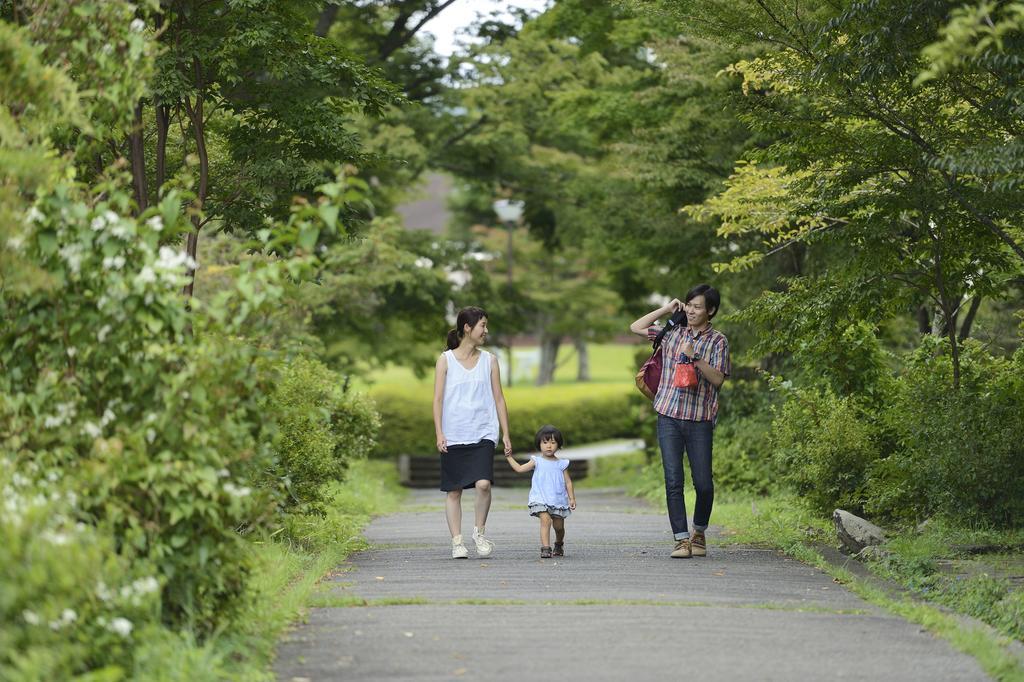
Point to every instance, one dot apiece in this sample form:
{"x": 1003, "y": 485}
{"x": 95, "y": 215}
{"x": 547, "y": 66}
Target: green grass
{"x": 610, "y": 363}
{"x": 288, "y": 569}
{"x": 614, "y": 471}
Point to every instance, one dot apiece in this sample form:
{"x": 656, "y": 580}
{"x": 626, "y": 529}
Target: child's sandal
{"x": 545, "y": 552}
{"x": 559, "y": 549}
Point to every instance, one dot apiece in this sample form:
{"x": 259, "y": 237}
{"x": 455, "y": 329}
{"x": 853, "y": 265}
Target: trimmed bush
{"x": 958, "y": 452}
{"x": 823, "y": 447}
{"x": 583, "y": 413}
{"x": 320, "y": 430}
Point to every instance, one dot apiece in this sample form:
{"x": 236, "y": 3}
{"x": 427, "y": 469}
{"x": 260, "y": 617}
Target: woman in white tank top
{"x": 469, "y": 409}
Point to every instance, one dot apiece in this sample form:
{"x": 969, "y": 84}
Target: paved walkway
{"x": 616, "y": 607}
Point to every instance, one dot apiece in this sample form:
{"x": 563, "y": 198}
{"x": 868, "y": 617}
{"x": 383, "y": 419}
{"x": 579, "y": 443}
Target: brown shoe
{"x": 682, "y": 550}
{"x": 545, "y": 552}
{"x": 698, "y": 544}
{"x": 559, "y": 549}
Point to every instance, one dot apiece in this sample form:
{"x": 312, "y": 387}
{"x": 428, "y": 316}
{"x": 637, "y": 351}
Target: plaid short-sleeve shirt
{"x": 698, "y": 403}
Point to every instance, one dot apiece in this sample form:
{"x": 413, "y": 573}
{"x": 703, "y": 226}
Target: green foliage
{"x": 823, "y": 447}
{"x": 69, "y": 604}
{"x": 321, "y": 429}
{"x": 958, "y": 452}
{"x": 585, "y": 414}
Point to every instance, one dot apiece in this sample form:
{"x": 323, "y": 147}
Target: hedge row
{"x": 584, "y": 414}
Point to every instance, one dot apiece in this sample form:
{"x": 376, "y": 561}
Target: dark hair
{"x": 469, "y": 315}
{"x": 545, "y": 432}
{"x": 712, "y": 299}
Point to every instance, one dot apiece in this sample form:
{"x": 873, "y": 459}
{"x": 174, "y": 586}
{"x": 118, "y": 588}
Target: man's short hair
{"x": 712, "y": 299}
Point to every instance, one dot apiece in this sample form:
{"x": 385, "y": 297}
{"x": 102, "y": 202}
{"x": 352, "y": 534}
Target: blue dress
{"x": 548, "y": 492}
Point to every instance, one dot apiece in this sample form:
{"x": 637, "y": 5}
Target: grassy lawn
{"x": 610, "y": 363}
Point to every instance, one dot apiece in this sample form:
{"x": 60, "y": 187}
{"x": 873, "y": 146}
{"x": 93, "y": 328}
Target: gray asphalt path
{"x": 616, "y": 607}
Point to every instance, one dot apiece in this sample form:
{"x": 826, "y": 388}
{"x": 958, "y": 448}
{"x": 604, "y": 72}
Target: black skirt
{"x": 463, "y": 465}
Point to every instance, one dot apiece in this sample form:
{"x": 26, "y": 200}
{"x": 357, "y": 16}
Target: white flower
{"x": 34, "y": 215}
{"x": 108, "y": 416}
{"x": 120, "y": 230}
{"x": 67, "y": 617}
{"x": 103, "y": 592}
{"x": 233, "y": 490}
{"x": 15, "y": 243}
{"x": 146, "y": 585}
{"x": 72, "y": 351}
{"x": 107, "y": 48}
{"x": 31, "y": 617}
{"x": 150, "y": 435}
{"x": 55, "y": 538}
{"x": 137, "y": 25}
{"x": 101, "y": 335}
{"x": 98, "y": 223}
{"x": 223, "y": 473}
{"x": 156, "y": 223}
{"x": 92, "y": 430}
{"x": 72, "y": 255}
{"x": 423, "y": 262}
{"x": 121, "y": 626}
{"x": 52, "y": 476}
{"x": 145, "y": 276}
{"x": 113, "y": 262}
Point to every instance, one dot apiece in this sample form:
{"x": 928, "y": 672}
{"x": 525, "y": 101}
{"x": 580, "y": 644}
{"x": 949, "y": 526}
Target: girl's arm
{"x": 440, "y": 372}
{"x": 499, "y": 402}
{"x": 519, "y": 468}
{"x": 640, "y": 326}
{"x": 568, "y": 487}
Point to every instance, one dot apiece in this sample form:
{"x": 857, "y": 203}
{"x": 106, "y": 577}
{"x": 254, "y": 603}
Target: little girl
{"x": 551, "y": 495}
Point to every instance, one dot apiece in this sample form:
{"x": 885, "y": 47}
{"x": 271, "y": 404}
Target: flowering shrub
{"x": 68, "y": 603}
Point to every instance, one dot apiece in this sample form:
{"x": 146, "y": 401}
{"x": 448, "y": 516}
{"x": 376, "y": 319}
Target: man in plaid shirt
{"x": 687, "y": 415}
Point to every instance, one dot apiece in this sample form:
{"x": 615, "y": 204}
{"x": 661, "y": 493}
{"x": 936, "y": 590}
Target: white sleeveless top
{"x": 468, "y": 413}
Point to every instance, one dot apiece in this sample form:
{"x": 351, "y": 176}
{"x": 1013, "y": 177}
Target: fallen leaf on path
{"x": 459, "y": 671}
{"x": 407, "y": 634}
{"x": 380, "y": 577}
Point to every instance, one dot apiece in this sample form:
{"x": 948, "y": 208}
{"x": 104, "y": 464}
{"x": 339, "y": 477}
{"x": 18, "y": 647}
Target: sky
{"x": 462, "y": 13}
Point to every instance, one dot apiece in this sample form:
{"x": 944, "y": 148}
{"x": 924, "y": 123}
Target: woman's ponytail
{"x": 470, "y": 316}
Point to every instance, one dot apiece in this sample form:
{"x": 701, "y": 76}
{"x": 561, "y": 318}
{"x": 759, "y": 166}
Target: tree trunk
{"x": 583, "y": 358}
{"x": 965, "y": 328}
{"x": 323, "y": 23}
{"x": 163, "y": 125}
{"x": 195, "y": 114}
{"x": 924, "y": 322}
{"x": 948, "y": 306}
{"x": 138, "y": 153}
{"x": 548, "y": 355}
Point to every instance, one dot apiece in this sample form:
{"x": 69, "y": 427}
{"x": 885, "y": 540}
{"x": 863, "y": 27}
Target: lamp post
{"x": 509, "y": 212}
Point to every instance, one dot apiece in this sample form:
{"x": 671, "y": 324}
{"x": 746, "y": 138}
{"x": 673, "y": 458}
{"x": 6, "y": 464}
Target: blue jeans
{"x": 676, "y": 436}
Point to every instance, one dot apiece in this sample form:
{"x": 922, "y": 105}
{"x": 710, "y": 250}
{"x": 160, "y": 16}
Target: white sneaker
{"x": 484, "y": 547}
{"x": 459, "y": 550}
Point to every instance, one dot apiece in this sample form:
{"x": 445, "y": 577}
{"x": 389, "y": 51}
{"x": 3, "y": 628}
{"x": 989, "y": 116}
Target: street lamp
{"x": 509, "y": 212}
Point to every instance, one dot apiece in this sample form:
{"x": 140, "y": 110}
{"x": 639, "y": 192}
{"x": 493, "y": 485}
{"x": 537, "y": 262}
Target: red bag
{"x": 685, "y": 375}
{"x": 649, "y": 376}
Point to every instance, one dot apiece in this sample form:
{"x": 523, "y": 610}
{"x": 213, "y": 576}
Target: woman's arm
{"x": 568, "y": 487}
{"x": 499, "y": 402}
{"x": 519, "y": 468}
{"x": 440, "y": 372}
{"x": 640, "y": 326}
